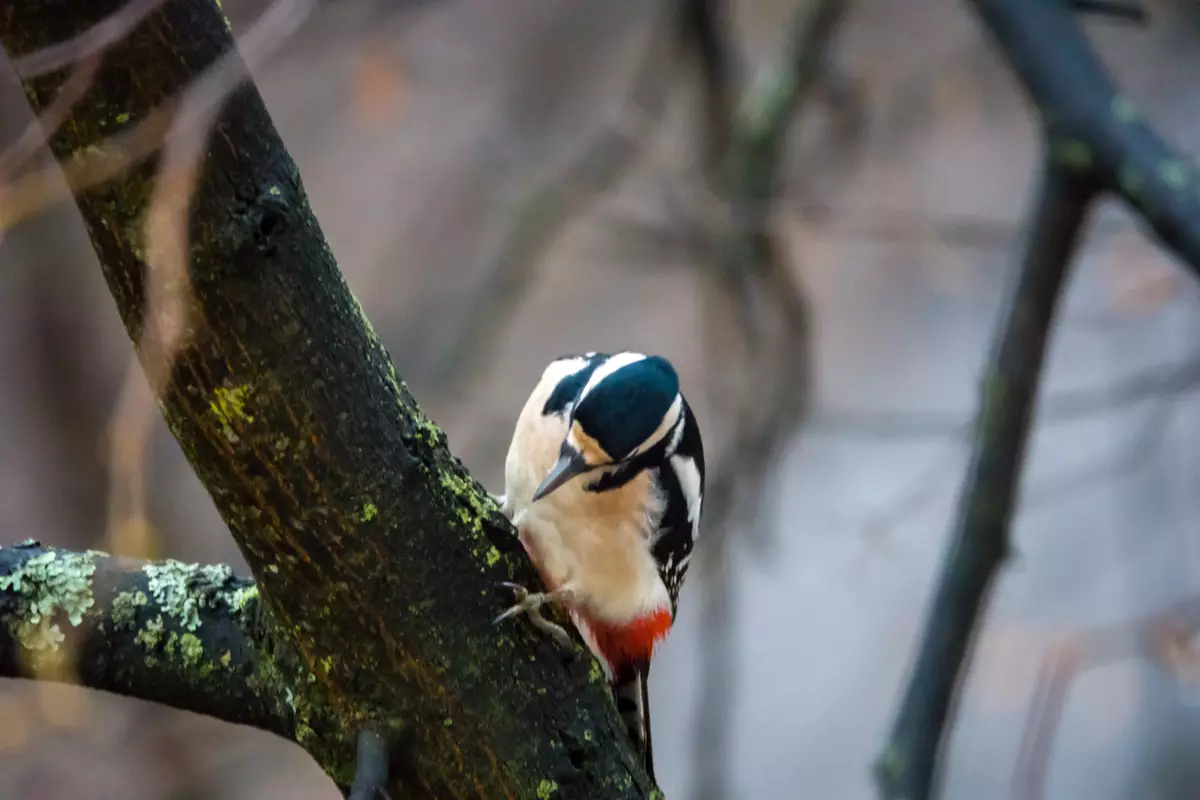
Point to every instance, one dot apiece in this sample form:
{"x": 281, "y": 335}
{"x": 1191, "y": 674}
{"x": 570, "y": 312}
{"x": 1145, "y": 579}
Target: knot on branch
{"x": 257, "y": 221}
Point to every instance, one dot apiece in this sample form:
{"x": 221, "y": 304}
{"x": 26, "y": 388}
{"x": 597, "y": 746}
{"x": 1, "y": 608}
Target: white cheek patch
{"x": 689, "y": 482}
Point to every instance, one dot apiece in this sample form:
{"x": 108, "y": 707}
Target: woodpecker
{"x": 604, "y": 481}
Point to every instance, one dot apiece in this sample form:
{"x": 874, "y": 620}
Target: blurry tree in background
{"x": 342, "y": 497}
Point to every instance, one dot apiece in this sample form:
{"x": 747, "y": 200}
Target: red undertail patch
{"x": 631, "y": 641}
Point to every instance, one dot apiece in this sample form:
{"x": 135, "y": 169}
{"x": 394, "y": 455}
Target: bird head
{"x": 629, "y": 404}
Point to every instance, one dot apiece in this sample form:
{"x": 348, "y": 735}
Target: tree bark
{"x": 376, "y": 555}
{"x": 179, "y": 634}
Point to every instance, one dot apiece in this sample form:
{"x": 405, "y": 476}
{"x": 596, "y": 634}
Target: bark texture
{"x": 376, "y": 555}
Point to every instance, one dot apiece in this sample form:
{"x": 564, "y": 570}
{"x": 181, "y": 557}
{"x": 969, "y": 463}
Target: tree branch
{"x": 1094, "y": 129}
{"x": 1096, "y": 140}
{"x": 375, "y": 553}
{"x": 179, "y": 634}
{"x": 980, "y": 541}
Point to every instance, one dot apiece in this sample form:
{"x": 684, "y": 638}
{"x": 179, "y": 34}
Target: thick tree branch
{"x": 179, "y": 634}
{"x": 1094, "y": 129}
{"x": 1096, "y": 140}
{"x": 980, "y": 540}
{"x": 376, "y": 554}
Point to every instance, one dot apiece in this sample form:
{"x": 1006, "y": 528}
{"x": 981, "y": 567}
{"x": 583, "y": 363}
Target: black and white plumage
{"x": 605, "y": 480}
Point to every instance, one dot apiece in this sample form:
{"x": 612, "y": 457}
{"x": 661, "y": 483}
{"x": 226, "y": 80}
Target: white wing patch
{"x": 689, "y": 481}
{"x": 608, "y": 368}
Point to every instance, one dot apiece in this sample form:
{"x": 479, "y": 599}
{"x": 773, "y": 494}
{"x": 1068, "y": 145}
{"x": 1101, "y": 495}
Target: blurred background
{"x": 544, "y": 160}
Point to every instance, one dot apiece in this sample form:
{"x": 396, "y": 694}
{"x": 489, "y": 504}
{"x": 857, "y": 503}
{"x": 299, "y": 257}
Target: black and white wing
{"x": 681, "y": 477}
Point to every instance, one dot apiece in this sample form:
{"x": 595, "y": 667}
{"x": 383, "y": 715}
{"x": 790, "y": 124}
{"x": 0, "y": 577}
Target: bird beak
{"x": 569, "y": 465}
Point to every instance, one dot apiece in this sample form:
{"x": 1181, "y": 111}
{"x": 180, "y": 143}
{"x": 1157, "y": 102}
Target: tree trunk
{"x": 376, "y": 555}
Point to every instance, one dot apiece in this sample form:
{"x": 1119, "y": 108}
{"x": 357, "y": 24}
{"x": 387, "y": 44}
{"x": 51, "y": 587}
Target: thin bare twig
{"x": 1150, "y": 383}
{"x": 168, "y": 288}
{"x": 746, "y": 259}
{"x": 89, "y": 44}
{"x": 980, "y": 541}
{"x": 1163, "y": 637}
{"x": 34, "y": 137}
{"x": 106, "y": 160}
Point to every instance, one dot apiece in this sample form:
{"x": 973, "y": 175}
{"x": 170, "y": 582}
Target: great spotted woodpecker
{"x": 604, "y": 481}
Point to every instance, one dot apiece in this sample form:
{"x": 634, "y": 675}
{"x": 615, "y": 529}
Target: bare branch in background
{"x": 1096, "y": 140}
{"x": 704, "y": 30}
{"x": 1133, "y": 454}
{"x": 30, "y": 143}
{"x": 980, "y": 540}
{"x": 765, "y": 358}
{"x": 563, "y": 196}
{"x": 1150, "y": 383}
{"x": 1165, "y": 638}
{"x": 87, "y": 45}
{"x": 106, "y": 160}
{"x": 1116, "y": 10}
{"x": 168, "y": 287}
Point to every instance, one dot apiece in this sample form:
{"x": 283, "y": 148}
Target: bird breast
{"x": 597, "y": 543}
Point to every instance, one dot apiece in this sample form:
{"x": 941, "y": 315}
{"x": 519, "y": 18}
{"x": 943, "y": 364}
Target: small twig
{"x": 1116, "y": 10}
{"x": 1161, "y": 637}
{"x": 115, "y": 155}
{"x": 703, "y": 25}
{"x": 168, "y": 289}
{"x": 35, "y": 135}
{"x": 906, "y": 768}
{"x": 1150, "y": 383}
{"x": 371, "y": 767}
{"x": 92, "y": 42}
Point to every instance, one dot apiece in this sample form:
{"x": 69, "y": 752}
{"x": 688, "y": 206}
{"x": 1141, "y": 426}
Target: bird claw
{"x": 530, "y": 605}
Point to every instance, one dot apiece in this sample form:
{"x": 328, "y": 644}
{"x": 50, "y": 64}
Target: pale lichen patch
{"x": 181, "y": 590}
{"x": 46, "y": 585}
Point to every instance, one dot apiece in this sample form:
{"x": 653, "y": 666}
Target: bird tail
{"x": 632, "y": 692}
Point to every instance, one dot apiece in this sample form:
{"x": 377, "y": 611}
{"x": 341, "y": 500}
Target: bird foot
{"x": 530, "y": 604}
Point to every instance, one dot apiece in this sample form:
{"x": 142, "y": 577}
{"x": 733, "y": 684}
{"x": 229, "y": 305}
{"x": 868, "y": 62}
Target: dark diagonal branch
{"x": 980, "y": 539}
{"x": 376, "y": 555}
{"x": 1096, "y": 140}
{"x": 184, "y": 635}
{"x": 1096, "y": 130}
